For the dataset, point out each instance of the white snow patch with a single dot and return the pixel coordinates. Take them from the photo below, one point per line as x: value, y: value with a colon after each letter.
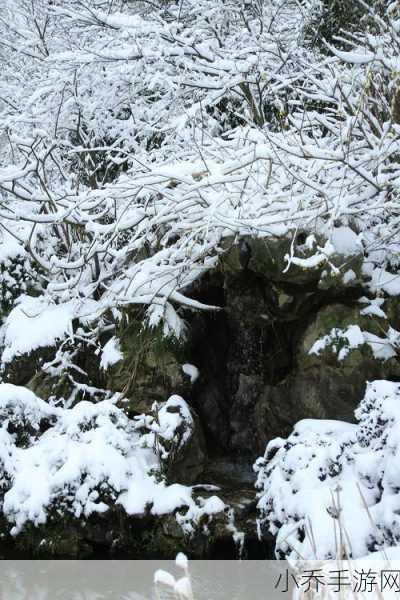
x: 349, y: 276
x: 10, y: 248
x: 373, y: 307
x: 111, y: 353
x: 33, y: 324
x: 345, y: 241
x: 191, y: 371
x: 343, y: 341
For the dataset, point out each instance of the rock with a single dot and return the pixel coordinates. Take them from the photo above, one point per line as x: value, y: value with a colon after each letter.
x: 210, y: 399
x: 25, y: 366
x: 187, y: 453
x: 322, y: 386
x: 46, y: 386
x: 116, y: 535
x: 151, y: 369
x: 257, y: 378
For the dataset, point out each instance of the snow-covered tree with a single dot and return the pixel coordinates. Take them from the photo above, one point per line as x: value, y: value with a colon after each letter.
x: 140, y: 140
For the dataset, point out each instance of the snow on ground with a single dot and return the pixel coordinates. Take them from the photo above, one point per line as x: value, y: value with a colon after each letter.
x: 331, y: 479
x: 89, y: 458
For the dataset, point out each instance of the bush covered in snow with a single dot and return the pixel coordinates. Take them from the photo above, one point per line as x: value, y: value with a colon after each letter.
x: 91, y: 458
x: 333, y: 488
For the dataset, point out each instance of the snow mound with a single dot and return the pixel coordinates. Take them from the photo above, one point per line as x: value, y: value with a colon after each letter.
x: 331, y: 480
x: 85, y: 459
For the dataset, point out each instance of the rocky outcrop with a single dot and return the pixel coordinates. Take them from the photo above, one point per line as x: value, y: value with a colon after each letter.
x: 261, y: 368
x: 257, y: 378
x: 151, y: 369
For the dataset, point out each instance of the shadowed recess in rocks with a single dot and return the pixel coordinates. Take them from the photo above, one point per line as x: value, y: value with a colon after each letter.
x: 257, y: 378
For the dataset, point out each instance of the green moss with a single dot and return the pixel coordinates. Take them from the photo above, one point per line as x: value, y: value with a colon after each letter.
x: 58, y: 539
x: 151, y: 366
x: 268, y: 260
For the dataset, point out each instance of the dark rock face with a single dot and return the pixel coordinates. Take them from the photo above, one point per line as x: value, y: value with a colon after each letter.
x: 257, y: 377
x: 24, y: 367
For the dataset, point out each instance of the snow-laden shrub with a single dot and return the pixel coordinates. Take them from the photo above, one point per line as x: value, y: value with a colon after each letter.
x: 114, y: 96
x: 97, y: 105
x: 17, y: 273
x: 329, y: 19
x: 334, y: 487
x: 87, y: 459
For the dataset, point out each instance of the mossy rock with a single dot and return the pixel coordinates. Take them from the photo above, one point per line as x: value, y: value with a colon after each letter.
x: 46, y: 386
x: 151, y: 368
x: 24, y: 367
x: 391, y: 307
x: 339, y: 316
x: 267, y: 258
x: 113, y: 534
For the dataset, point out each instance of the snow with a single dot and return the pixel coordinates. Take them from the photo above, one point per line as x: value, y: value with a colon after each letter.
x: 383, y: 281
x: 156, y: 217
x: 349, y: 276
x: 89, y: 458
x: 10, y: 248
x: 373, y: 307
x: 172, y: 415
x: 313, y: 261
x: 343, y: 341
x: 213, y: 505
x: 346, y: 241
x: 111, y: 353
x: 330, y: 476
x: 35, y: 323
x: 191, y: 371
